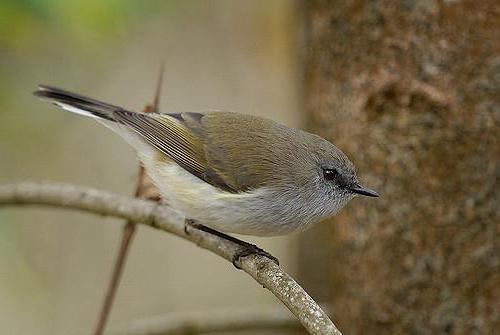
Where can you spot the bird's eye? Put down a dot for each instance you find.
(330, 174)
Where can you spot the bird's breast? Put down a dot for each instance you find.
(257, 212)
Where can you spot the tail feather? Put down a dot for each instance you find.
(111, 116)
(76, 103)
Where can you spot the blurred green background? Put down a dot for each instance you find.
(224, 54)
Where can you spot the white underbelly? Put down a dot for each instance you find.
(250, 213)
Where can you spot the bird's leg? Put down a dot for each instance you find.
(246, 249)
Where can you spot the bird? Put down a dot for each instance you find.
(230, 172)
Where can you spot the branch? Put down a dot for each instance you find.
(158, 216)
(202, 322)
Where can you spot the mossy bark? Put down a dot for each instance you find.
(410, 90)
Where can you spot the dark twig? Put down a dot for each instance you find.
(128, 234)
(129, 229)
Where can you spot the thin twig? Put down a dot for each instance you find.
(264, 271)
(159, 85)
(128, 234)
(129, 228)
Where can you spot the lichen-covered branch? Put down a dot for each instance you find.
(263, 270)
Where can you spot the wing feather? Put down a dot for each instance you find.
(171, 135)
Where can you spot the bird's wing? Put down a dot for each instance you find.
(179, 137)
(239, 150)
(231, 151)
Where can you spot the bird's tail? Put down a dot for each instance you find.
(76, 103)
(116, 118)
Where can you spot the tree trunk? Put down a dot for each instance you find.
(410, 90)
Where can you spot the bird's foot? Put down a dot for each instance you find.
(188, 223)
(248, 249)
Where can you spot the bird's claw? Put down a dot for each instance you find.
(245, 248)
(187, 224)
(251, 249)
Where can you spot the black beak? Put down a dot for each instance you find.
(360, 189)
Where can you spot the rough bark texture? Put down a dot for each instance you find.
(410, 90)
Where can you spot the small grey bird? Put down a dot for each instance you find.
(232, 172)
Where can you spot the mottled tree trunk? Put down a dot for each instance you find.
(410, 90)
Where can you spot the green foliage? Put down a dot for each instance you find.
(23, 21)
